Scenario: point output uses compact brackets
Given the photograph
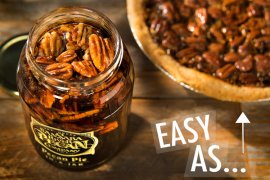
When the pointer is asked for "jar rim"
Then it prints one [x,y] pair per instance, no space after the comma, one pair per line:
[82,84]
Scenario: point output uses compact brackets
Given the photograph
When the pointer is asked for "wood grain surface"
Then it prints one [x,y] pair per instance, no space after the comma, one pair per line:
[155,97]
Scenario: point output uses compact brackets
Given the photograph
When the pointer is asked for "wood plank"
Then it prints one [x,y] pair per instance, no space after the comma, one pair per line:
[155,84]
[138,158]
[257,136]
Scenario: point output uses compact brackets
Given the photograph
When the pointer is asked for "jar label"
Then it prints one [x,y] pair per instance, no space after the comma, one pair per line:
[64,143]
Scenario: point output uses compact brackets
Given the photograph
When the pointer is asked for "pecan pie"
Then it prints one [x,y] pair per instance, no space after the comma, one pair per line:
[217,47]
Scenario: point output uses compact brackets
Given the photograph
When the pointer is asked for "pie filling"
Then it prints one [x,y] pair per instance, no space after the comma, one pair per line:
[227,39]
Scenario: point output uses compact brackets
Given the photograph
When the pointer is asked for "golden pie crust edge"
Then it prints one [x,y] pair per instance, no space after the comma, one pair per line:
[198,81]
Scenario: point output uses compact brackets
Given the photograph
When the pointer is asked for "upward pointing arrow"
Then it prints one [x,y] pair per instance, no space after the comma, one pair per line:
[243,119]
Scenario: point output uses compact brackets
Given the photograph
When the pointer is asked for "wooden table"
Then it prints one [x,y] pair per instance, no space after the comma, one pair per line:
[155,97]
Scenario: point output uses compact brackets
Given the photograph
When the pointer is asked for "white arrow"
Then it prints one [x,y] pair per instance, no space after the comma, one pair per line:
[243,119]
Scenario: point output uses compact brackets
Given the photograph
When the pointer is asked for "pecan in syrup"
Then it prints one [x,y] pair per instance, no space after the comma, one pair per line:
[60,70]
[72,45]
[108,127]
[85,68]
[47,99]
[66,56]
[101,51]
[44,60]
[51,44]
[77,117]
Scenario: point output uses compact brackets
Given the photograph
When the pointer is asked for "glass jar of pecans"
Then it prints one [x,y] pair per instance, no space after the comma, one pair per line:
[75,80]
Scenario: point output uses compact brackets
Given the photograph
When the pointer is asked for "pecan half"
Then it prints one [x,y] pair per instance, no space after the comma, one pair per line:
[187,53]
[109,48]
[217,34]
[109,127]
[60,70]
[191,40]
[248,78]
[66,28]
[262,43]
[64,98]
[253,23]
[212,58]
[72,45]
[51,44]
[262,63]
[201,16]
[230,32]
[245,64]
[231,57]
[254,10]
[68,37]
[77,117]
[216,47]
[265,31]
[85,68]
[29,98]
[80,35]
[47,99]
[180,30]
[66,56]
[194,28]
[158,26]
[101,51]
[225,71]
[237,41]
[170,41]
[168,11]
[245,49]
[44,60]
[253,34]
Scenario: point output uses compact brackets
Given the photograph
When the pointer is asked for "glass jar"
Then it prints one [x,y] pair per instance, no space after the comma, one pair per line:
[76,124]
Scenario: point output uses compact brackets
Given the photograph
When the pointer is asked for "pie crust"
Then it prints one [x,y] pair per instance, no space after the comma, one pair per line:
[191,78]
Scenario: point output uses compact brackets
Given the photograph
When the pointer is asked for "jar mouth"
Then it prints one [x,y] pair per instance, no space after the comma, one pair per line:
[73,15]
